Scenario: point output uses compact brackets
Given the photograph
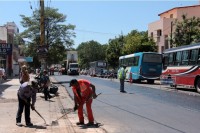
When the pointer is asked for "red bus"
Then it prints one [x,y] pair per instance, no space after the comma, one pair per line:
[182,65]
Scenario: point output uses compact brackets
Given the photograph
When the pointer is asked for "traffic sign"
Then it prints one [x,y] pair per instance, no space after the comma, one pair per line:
[29,59]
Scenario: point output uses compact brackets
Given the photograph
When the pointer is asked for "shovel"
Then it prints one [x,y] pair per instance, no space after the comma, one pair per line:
[40,116]
[54,123]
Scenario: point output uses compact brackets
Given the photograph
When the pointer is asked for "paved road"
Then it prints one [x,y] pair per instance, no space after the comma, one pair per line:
[145,108]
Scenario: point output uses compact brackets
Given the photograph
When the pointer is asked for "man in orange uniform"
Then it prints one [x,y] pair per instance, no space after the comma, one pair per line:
[84,92]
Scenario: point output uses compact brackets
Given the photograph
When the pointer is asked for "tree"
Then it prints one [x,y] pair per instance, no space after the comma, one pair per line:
[90,51]
[58,36]
[114,50]
[138,42]
[187,31]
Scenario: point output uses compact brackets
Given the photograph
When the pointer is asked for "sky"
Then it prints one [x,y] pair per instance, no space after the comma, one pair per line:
[98,20]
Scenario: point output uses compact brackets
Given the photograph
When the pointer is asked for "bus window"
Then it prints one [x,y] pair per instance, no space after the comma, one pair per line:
[193,56]
[178,58]
[135,61]
[152,58]
[185,57]
[198,58]
[171,60]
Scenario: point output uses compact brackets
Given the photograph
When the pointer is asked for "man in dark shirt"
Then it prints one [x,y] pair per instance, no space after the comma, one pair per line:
[26,93]
[45,82]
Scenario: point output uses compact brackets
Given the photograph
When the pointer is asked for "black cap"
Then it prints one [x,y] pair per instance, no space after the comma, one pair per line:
[72,82]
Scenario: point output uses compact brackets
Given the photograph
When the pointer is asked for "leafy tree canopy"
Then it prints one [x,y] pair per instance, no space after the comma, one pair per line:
[187,31]
[58,36]
[114,50]
[90,51]
[138,42]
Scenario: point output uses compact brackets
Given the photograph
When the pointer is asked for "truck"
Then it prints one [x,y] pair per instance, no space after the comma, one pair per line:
[72,66]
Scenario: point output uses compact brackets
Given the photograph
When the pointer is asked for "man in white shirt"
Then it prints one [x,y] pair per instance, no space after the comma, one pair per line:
[2,73]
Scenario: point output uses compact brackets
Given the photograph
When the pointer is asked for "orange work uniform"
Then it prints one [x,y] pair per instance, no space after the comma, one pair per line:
[86,97]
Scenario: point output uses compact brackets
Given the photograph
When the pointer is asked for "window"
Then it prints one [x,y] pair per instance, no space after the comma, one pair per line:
[135,61]
[198,58]
[165,61]
[151,34]
[152,58]
[171,60]
[159,32]
[185,57]
[193,56]
[171,15]
[178,58]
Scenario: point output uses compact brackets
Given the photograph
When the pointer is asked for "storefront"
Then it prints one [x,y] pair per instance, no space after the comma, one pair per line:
[6,57]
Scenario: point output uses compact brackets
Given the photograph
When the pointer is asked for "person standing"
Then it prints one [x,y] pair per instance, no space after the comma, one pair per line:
[45,82]
[26,94]
[122,76]
[84,92]
[24,75]
[2,73]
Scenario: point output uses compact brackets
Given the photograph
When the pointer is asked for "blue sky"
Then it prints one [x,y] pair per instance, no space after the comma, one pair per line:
[96,20]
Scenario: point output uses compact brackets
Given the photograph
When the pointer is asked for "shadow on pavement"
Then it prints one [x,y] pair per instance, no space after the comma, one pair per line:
[3,88]
[38,127]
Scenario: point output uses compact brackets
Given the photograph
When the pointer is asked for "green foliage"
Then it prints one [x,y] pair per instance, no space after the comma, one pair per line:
[90,51]
[57,35]
[138,42]
[187,31]
[114,50]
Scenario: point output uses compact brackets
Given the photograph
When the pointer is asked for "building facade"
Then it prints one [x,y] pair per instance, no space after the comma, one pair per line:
[161,30]
[9,52]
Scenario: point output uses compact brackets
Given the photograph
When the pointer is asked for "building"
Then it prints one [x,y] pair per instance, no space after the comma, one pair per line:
[9,52]
[161,30]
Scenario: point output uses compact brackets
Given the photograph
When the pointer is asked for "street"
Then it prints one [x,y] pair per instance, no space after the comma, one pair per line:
[144,108]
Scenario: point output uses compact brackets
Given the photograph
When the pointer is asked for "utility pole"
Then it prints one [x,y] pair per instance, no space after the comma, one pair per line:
[42,50]
[42,28]
[171,34]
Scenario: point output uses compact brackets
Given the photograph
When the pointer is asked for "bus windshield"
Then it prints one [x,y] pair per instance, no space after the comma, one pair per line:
[152,58]
[73,65]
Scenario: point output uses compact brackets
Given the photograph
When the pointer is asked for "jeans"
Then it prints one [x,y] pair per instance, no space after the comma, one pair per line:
[21,107]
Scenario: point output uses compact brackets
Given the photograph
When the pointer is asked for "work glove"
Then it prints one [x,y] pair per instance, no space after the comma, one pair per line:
[32,107]
[75,107]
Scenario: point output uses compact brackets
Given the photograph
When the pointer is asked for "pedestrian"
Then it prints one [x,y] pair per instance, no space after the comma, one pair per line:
[45,83]
[84,92]
[122,76]
[24,75]
[2,73]
[26,99]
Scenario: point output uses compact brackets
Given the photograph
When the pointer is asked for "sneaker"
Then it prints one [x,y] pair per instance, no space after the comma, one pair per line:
[29,124]
[19,124]
[80,123]
[90,124]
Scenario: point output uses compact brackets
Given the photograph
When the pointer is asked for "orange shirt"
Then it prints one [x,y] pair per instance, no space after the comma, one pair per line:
[85,89]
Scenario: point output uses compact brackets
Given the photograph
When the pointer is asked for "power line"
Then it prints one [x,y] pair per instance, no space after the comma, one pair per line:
[95,32]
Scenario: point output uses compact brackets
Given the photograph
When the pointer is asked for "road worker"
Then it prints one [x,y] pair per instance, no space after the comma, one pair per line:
[26,94]
[84,92]
[121,77]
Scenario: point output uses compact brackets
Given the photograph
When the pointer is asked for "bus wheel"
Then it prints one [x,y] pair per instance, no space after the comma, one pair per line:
[150,81]
[197,85]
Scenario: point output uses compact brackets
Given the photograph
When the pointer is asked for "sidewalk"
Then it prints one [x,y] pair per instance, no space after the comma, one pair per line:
[50,110]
